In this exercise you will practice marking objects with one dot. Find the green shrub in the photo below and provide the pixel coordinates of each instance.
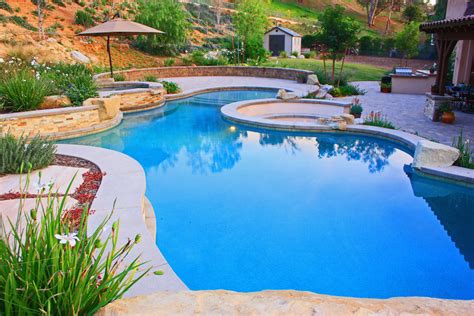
(119, 77)
(52, 267)
(84, 18)
(75, 81)
(21, 21)
(466, 157)
(59, 3)
(202, 58)
(16, 153)
(169, 62)
(21, 91)
(376, 119)
(346, 90)
(52, 29)
(295, 53)
(170, 87)
(187, 61)
(356, 110)
(283, 54)
(5, 6)
(150, 78)
(310, 55)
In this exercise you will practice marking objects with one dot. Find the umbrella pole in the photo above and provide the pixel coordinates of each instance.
(110, 57)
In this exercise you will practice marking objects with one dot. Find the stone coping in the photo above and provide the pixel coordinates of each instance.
(230, 112)
(283, 302)
(139, 86)
(123, 190)
(47, 112)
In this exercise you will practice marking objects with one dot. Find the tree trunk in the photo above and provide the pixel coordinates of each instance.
(333, 69)
(39, 4)
(342, 67)
(389, 19)
(372, 10)
(325, 68)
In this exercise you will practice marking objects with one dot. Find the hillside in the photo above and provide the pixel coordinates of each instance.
(19, 21)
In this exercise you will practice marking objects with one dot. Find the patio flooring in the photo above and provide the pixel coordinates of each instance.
(405, 111)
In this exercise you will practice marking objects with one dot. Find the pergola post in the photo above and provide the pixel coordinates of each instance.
(445, 47)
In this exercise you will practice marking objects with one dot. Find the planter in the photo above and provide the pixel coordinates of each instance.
(386, 90)
(448, 117)
(357, 115)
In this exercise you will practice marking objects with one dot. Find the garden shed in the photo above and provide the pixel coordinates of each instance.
(280, 39)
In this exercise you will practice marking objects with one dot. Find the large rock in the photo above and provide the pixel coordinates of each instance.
(313, 80)
(109, 108)
(283, 95)
(80, 57)
(279, 303)
(55, 101)
(431, 154)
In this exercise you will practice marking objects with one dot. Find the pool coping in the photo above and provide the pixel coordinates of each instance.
(123, 189)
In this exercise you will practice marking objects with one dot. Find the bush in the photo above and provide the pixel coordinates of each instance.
(214, 58)
(150, 78)
(466, 158)
(5, 6)
(346, 90)
(170, 87)
(59, 3)
(376, 119)
(51, 267)
(283, 54)
(119, 77)
(356, 108)
(75, 81)
(187, 61)
(169, 62)
(21, 21)
(21, 91)
(310, 55)
(84, 18)
(295, 53)
(16, 154)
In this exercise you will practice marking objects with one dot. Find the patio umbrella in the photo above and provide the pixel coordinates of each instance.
(118, 27)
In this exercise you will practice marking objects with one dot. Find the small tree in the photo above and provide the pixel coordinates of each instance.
(337, 34)
(250, 24)
(413, 13)
(406, 42)
(373, 8)
(168, 16)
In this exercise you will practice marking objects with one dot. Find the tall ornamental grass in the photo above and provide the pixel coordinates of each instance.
(22, 91)
(49, 266)
(16, 152)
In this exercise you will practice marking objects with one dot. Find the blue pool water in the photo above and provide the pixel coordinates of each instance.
(248, 209)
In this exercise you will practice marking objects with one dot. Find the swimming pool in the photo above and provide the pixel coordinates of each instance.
(251, 209)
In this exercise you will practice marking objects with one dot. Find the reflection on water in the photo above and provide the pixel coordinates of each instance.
(231, 198)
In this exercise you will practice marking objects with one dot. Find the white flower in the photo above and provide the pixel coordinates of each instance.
(2, 60)
(64, 239)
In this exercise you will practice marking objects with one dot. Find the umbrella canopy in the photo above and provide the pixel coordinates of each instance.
(118, 27)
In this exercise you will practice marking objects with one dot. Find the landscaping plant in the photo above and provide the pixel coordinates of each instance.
(119, 77)
(379, 120)
(150, 78)
(466, 157)
(17, 153)
(170, 87)
(356, 108)
(49, 266)
(21, 90)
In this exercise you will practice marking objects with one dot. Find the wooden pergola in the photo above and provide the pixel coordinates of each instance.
(447, 33)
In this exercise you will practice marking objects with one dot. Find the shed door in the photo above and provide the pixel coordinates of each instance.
(277, 44)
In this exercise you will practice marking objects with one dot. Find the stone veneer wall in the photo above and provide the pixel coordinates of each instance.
(95, 115)
(133, 101)
(194, 71)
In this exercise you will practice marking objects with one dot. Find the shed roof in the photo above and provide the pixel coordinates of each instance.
(285, 30)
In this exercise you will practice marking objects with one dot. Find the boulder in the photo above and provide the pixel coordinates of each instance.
(80, 57)
(283, 95)
(431, 154)
(55, 101)
(293, 57)
(348, 118)
(108, 107)
(328, 96)
(301, 57)
(312, 80)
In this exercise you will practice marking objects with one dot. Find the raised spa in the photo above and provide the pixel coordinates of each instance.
(249, 209)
